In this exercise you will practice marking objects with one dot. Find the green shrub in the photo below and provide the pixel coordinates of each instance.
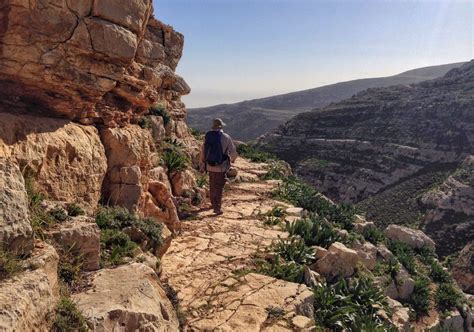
(254, 154)
(74, 210)
(115, 246)
(276, 268)
(58, 213)
(294, 249)
(272, 220)
(447, 297)
(116, 219)
(40, 219)
(160, 110)
(420, 298)
(9, 264)
(145, 122)
(314, 230)
(373, 235)
(349, 305)
(405, 255)
(174, 160)
(438, 273)
(68, 317)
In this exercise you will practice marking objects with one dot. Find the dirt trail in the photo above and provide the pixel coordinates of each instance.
(204, 265)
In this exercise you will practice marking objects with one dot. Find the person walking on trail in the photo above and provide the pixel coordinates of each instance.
(217, 153)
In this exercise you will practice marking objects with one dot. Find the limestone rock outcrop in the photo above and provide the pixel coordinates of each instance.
(137, 302)
(16, 234)
(65, 160)
(92, 61)
(81, 237)
(339, 261)
(413, 237)
(28, 300)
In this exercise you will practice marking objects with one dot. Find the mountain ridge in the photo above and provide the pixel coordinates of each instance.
(249, 119)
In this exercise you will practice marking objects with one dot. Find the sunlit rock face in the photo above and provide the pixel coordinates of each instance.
(101, 62)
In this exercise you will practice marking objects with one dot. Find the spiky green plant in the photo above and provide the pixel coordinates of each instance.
(447, 297)
(160, 110)
(68, 317)
(314, 230)
(174, 161)
(277, 268)
(294, 249)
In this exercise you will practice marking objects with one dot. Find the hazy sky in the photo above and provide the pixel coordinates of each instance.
(243, 49)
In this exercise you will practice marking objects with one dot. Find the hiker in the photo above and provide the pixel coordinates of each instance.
(217, 153)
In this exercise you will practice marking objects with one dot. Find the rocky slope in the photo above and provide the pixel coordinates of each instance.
(249, 119)
(392, 150)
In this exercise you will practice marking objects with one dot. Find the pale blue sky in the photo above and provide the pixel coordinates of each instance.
(243, 49)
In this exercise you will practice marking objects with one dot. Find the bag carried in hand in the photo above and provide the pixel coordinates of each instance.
(213, 148)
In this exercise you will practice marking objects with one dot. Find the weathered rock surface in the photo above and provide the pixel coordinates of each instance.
(136, 301)
(463, 268)
(65, 160)
(450, 216)
(96, 62)
(399, 288)
(400, 315)
(201, 260)
(367, 253)
(385, 147)
(28, 300)
(414, 238)
(128, 151)
(16, 234)
(339, 261)
(81, 236)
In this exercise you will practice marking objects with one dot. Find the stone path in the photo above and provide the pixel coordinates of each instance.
(206, 265)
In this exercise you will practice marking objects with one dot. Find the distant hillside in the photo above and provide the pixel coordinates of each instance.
(403, 154)
(249, 119)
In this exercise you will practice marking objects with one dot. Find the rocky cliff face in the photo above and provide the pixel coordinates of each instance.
(103, 61)
(77, 80)
(384, 148)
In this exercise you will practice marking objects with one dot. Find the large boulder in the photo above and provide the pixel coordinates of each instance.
(127, 298)
(103, 61)
(339, 261)
(66, 160)
(413, 237)
(399, 288)
(28, 300)
(367, 253)
(16, 234)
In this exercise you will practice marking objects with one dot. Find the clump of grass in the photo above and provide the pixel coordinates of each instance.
(115, 246)
(447, 297)
(70, 266)
(348, 304)
(40, 219)
(279, 269)
(254, 154)
(160, 110)
(438, 273)
(68, 317)
(174, 161)
(294, 249)
(405, 254)
(420, 298)
(373, 235)
(314, 230)
(145, 122)
(9, 264)
(74, 210)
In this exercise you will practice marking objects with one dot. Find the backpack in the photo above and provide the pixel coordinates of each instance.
(213, 148)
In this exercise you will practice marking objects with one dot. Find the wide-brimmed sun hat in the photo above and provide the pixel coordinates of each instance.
(217, 123)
